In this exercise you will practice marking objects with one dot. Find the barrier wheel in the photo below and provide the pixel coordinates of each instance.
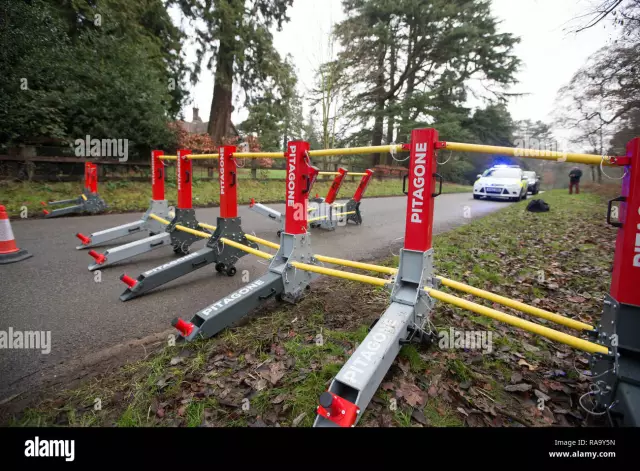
(231, 271)
(181, 251)
(220, 267)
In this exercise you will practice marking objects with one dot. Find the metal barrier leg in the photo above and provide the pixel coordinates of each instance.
(78, 208)
(159, 208)
(130, 250)
(223, 255)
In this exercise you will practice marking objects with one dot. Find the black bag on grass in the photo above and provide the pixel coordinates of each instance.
(537, 206)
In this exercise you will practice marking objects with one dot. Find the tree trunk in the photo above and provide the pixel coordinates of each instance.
(222, 103)
(391, 121)
(378, 126)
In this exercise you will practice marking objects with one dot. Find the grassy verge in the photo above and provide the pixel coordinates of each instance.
(271, 370)
(124, 196)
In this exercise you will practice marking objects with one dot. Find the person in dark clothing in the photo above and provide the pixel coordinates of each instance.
(574, 180)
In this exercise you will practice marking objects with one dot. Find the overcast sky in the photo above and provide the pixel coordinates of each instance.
(549, 52)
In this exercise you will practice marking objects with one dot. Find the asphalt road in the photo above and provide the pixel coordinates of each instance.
(54, 291)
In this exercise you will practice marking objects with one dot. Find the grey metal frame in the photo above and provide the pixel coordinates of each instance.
(282, 282)
(617, 376)
(94, 204)
(404, 320)
(216, 251)
(145, 223)
(180, 241)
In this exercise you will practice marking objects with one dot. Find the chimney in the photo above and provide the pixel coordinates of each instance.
(195, 114)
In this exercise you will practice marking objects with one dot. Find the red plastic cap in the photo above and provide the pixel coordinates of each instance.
(45, 211)
(43, 203)
(252, 202)
(130, 282)
(184, 327)
(338, 410)
(83, 238)
(100, 258)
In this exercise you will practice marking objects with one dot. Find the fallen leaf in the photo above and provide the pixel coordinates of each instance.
(516, 378)
(462, 411)
(517, 387)
(576, 299)
(278, 399)
(418, 416)
(387, 386)
(175, 360)
(540, 395)
(530, 348)
(524, 363)
(411, 393)
(160, 412)
(298, 419)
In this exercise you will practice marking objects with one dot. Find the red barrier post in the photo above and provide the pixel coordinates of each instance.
(298, 184)
(335, 186)
(228, 179)
(364, 183)
(422, 168)
(185, 176)
(157, 175)
(625, 279)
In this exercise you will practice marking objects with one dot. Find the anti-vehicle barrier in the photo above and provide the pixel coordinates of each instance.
(158, 205)
(184, 215)
(228, 228)
(414, 288)
(88, 202)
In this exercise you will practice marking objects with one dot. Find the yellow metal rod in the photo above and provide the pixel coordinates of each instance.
(84, 197)
(327, 173)
(529, 153)
(250, 250)
(534, 311)
(260, 241)
(352, 264)
(340, 274)
(207, 226)
(357, 150)
(159, 219)
(202, 156)
(168, 157)
(552, 334)
(348, 174)
(344, 214)
(517, 305)
(259, 155)
(494, 314)
(317, 219)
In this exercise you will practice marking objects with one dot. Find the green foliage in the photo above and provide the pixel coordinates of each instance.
(409, 63)
(110, 70)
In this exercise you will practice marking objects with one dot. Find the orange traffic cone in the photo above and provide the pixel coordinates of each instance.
(9, 251)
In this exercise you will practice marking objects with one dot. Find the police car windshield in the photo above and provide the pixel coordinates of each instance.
(502, 173)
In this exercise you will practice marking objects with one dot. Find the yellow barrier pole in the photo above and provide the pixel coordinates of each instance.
(527, 153)
(159, 219)
(168, 157)
(534, 311)
(372, 280)
(517, 305)
(359, 265)
(358, 150)
(84, 197)
(317, 219)
(258, 253)
(344, 214)
(552, 334)
(202, 156)
(258, 155)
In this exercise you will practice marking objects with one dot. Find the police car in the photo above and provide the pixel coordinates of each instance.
(506, 182)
